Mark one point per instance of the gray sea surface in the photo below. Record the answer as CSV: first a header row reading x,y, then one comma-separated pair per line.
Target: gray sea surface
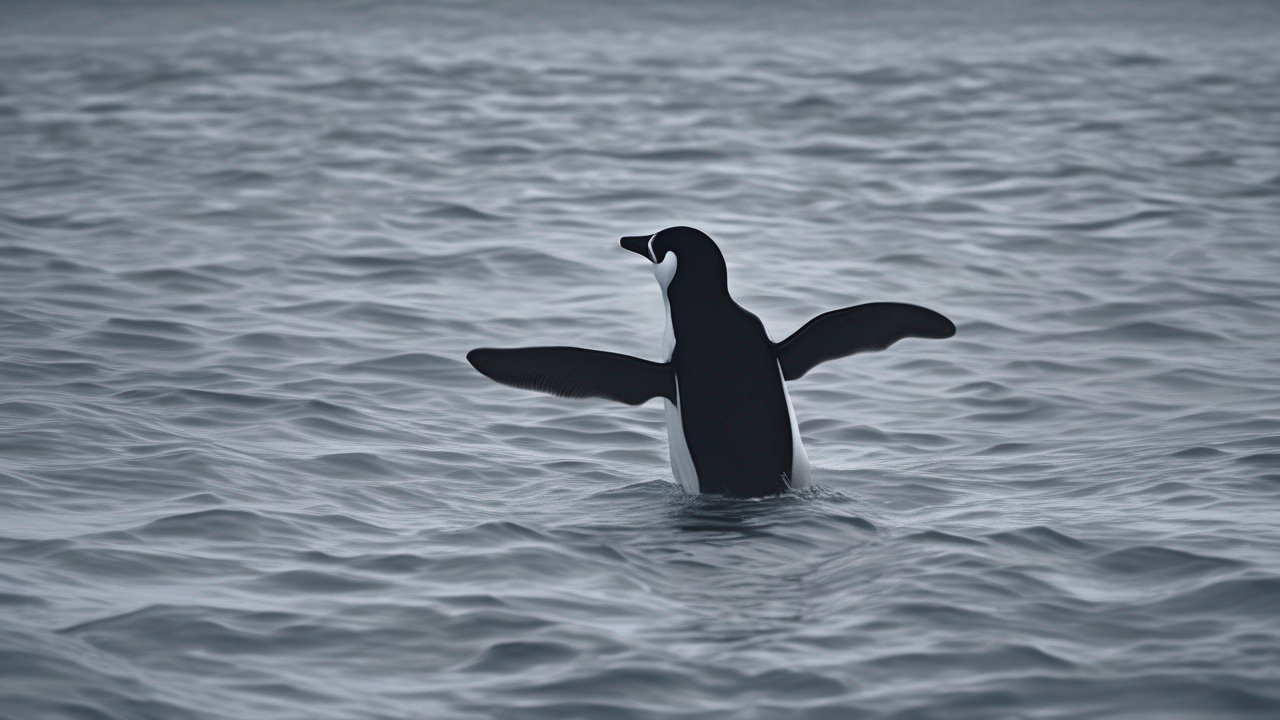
x,y
246,472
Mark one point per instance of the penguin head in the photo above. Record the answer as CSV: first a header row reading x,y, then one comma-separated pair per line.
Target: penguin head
x,y
699,260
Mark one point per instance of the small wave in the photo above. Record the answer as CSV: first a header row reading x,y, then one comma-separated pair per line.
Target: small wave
x,y
1253,596
942,615
1012,409
501,153
194,628
873,436
811,104
19,252
858,523
1147,331
1153,560
397,564
937,536
1194,380
218,524
1009,448
350,465
883,76
90,290
835,151
514,657
18,600
59,221
1207,159
1261,460
1039,537
674,155
1017,659
396,316
407,365
137,342
326,427
149,326
311,581
1265,189
421,269
177,280
122,564
494,534
289,344
1136,218
25,410
1050,367
348,88
1198,452
238,178
1130,60
457,211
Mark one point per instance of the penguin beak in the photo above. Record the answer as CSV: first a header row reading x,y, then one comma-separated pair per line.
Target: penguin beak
x,y
638,245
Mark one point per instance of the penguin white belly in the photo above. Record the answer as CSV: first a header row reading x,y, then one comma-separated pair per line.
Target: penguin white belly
x,y
681,460
799,458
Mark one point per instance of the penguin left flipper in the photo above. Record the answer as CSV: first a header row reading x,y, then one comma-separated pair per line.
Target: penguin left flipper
x,y
862,328
577,373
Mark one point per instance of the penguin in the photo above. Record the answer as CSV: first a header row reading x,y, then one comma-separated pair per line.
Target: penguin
x,y
730,421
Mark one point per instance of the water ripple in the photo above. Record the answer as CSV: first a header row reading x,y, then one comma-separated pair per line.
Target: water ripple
x,y
245,470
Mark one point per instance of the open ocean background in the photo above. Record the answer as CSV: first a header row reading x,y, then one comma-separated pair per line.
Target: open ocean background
x,y
245,471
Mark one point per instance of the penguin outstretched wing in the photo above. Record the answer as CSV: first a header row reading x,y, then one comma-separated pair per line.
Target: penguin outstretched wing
x,y
577,373
862,328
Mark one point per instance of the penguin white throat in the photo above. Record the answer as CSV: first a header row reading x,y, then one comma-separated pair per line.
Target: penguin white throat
x,y
665,271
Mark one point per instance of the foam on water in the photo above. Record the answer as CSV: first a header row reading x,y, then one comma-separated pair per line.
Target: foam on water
x,y
246,472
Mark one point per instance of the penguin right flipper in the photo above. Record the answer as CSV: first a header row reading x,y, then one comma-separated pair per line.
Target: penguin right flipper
x,y
862,328
577,373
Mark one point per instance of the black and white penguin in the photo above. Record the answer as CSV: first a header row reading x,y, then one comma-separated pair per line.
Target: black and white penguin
x,y
730,421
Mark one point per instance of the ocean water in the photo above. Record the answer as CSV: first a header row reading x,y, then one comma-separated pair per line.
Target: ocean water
x,y
246,472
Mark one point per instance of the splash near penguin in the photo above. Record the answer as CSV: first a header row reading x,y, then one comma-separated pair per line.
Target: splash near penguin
x,y
730,421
